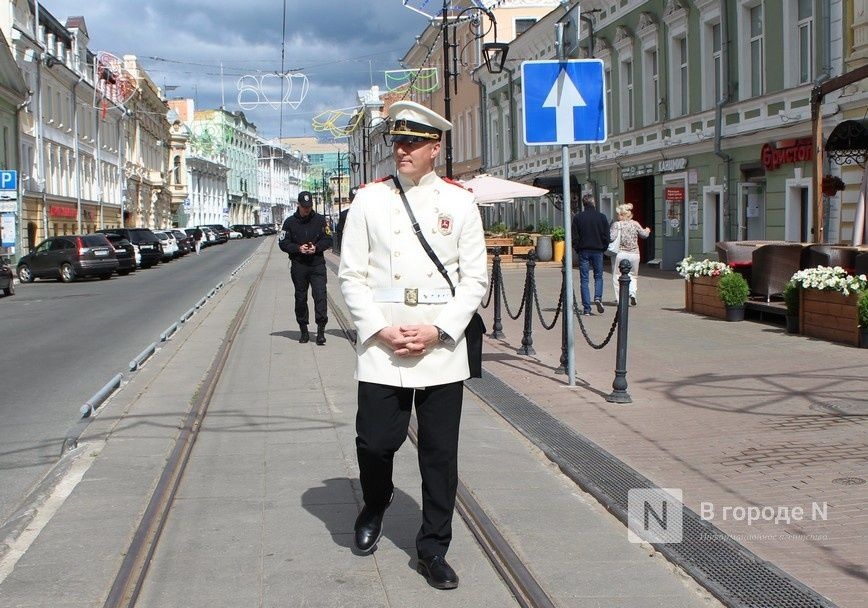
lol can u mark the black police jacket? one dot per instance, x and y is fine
(297, 231)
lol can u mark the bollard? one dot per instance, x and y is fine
(562, 368)
(187, 315)
(101, 395)
(171, 330)
(497, 281)
(619, 394)
(527, 336)
(142, 356)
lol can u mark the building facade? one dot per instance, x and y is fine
(708, 119)
(230, 139)
(281, 173)
(208, 193)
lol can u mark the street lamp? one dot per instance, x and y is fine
(494, 54)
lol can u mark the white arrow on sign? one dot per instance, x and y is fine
(564, 96)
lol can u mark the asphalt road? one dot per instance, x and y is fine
(60, 343)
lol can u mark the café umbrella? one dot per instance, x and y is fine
(490, 189)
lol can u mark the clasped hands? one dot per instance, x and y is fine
(409, 340)
(307, 248)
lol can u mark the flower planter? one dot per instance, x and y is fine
(792, 324)
(544, 248)
(829, 315)
(863, 337)
(701, 297)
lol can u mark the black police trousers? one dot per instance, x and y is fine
(381, 428)
(313, 276)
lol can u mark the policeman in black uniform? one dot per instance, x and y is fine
(305, 236)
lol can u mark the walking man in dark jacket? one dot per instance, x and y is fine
(305, 236)
(590, 240)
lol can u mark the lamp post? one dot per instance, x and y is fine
(494, 54)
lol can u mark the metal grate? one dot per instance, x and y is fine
(727, 569)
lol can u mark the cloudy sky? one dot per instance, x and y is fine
(342, 46)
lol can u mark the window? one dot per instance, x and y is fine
(805, 16)
(626, 95)
(652, 87)
(717, 62)
(523, 25)
(755, 20)
(683, 84)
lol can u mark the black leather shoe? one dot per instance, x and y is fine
(440, 574)
(320, 336)
(369, 527)
(600, 308)
(305, 336)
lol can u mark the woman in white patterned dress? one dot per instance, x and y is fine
(630, 231)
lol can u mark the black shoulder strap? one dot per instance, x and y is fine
(421, 238)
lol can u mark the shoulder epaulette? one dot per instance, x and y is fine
(449, 180)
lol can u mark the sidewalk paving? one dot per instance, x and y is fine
(266, 507)
(735, 414)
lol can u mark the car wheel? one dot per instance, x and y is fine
(9, 291)
(67, 272)
(25, 275)
(123, 273)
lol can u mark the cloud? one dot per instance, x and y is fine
(342, 46)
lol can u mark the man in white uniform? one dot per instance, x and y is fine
(410, 327)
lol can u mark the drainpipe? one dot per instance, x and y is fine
(18, 238)
(513, 144)
(817, 124)
(718, 110)
(483, 122)
(40, 152)
(77, 151)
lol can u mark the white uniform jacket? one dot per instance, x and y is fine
(380, 250)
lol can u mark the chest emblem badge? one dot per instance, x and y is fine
(444, 224)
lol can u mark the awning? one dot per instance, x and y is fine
(848, 142)
(555, 183)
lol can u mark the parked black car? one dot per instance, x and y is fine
(220, 231)
(68, 257)
(246, 230)
(268, 229)
(124, 252)
(7, 282)
(185, 241)
(146, 244)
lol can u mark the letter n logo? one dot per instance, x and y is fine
(654, 515)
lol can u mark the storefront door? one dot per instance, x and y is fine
(752, 212)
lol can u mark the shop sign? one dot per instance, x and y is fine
(637, 171)
(798, 151)
(671, 164)
(58, 211)
(673, 194)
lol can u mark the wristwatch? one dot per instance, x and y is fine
(443, 337)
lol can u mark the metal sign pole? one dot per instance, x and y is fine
(567, 311)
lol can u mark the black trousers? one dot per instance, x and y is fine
(381, 428)
(313, 276)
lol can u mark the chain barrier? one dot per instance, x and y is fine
(494, 274)
(545, 325)
(585, 332)
(515, 316)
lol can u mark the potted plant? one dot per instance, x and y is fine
(544, 242)
(829, 303)
(558, 244)
(791, 299)
(734, 291)
(862, 306)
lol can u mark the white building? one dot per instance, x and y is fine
(206, 181)
(281, 173)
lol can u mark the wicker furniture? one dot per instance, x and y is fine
(773, 265)
(830, 255)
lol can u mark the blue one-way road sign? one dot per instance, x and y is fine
(564, 102)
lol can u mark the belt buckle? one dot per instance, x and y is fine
(411, 296)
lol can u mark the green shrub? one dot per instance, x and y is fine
(545, 227)
(528, 228)
(791, 298)
(862, 307)
(733, 289)
(499, 228)
(522, 239)
(558, 234)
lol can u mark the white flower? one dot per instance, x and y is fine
(831, 279)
